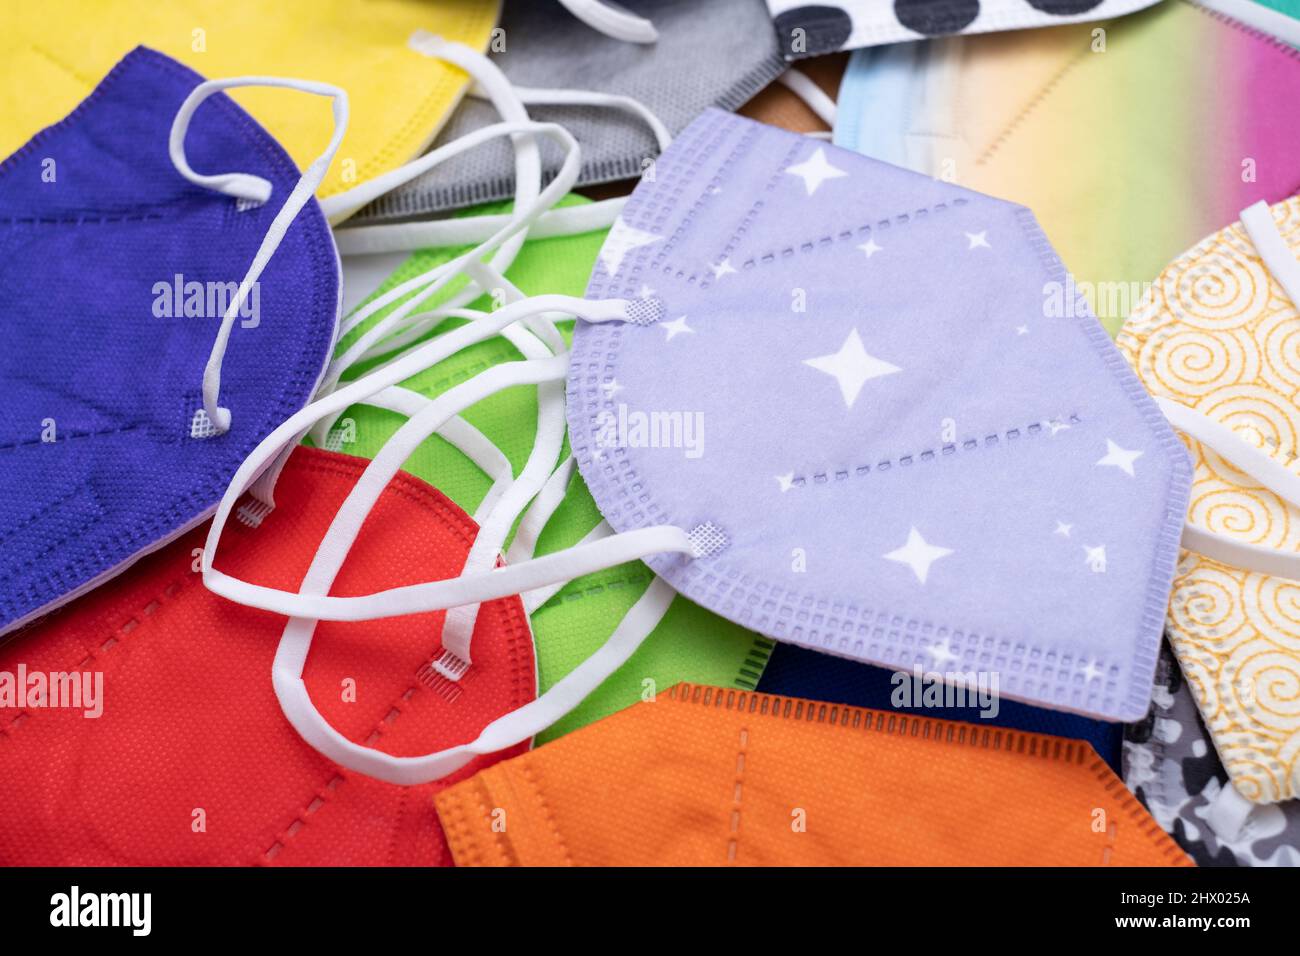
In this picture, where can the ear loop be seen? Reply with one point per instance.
(251, 189)
(570, 220)
(1282, 263)
(507, 238)
(612, 20)
(813, 96)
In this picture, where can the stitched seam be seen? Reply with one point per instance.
(320, 246)
(449, 77)
(174, 587)
(526, 769)
(95, 434)
(733, 841)
(939, 731)
(1034, 103)
(947, 450)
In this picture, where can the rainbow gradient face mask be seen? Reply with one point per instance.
(160, 321)
(1131, 127)
(1215, 343)
(633, 99)
(895, 439)
(368, 48)
(811, 29)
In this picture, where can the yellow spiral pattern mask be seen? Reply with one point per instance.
(1219, 334)
(398, 98)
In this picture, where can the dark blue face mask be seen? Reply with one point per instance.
(118, 264)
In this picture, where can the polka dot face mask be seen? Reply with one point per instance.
(810, 29)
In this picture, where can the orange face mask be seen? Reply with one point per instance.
(705, 776)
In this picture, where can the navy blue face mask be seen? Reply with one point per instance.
(152, 339)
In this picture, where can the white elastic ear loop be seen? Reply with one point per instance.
(505, 731)
(1282, 263)
(613, 21)
(545, 96)
(1273, 249)
(462, 436)
(493, 85)
(1253, 462)
(403, 368)
(529, 201)
(435, 595)
(462, 231)
(813, 96)
(254, 189)
(420, 287)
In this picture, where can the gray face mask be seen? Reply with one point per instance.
(1171, 765)
(718, 53)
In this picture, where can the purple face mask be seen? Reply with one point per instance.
(116, 273)
(822, 396)
(887, 445)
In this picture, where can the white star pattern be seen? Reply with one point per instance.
(676, 327)
(612, 388)
(978, 240)
(1091, 672)
(1022, 330)
(942, 653)
(1121, 458)
(621, 240)
(786, 481)
(1056, 426)
(870, 248)
(918, 554)
(1062, 528)
(815, 170)
(851, 367)
(646, 291)
(1095, 558)
(723, 268)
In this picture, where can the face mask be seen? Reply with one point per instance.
(1279, 18)
(1212, 342)
(797, 672)
(755, 780)
(182, 315)
(812, 29)
(689, 643)
(1051, 462)
(182, 757)
(705, 55)
(367, 49)
(956, 110)
(1170, 764)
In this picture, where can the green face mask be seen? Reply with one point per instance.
(690, 643)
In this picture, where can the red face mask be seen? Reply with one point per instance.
(191, 760)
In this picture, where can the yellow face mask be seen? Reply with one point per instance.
(399, 97)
